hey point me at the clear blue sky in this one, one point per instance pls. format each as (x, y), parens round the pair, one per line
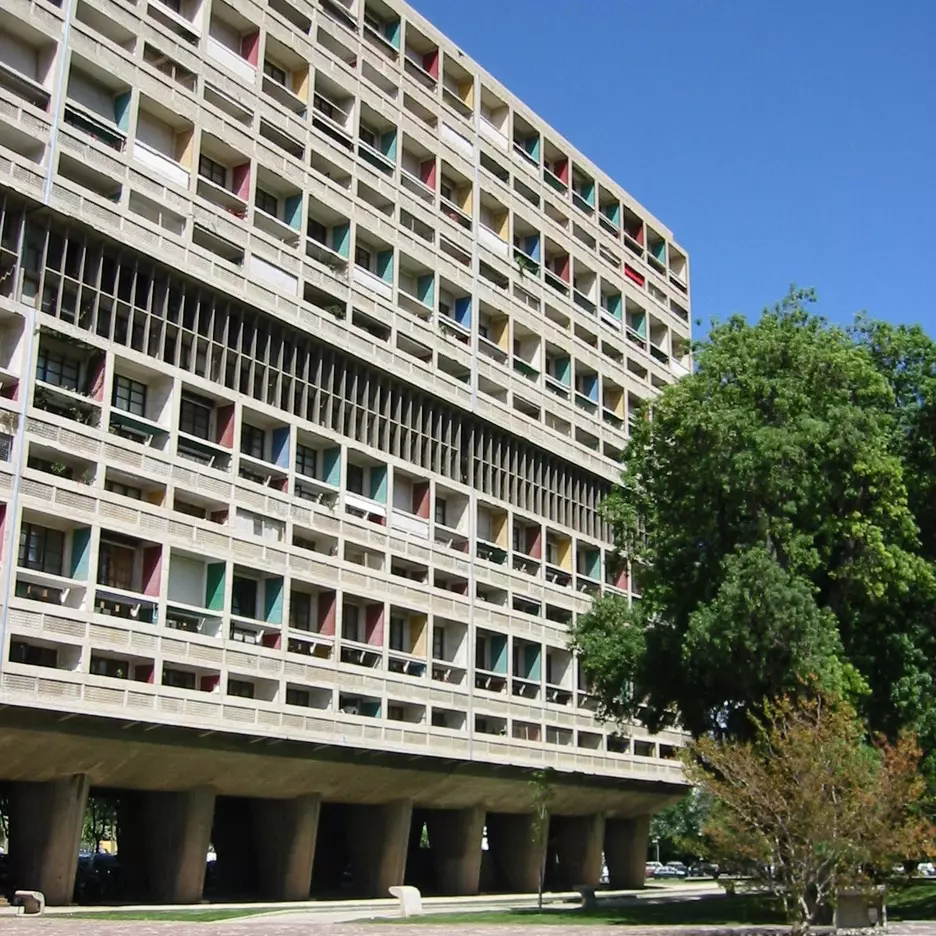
(781, 140)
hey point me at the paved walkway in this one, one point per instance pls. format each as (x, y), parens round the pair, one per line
(308, 924)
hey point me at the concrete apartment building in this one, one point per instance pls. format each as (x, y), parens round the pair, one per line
(317, 352)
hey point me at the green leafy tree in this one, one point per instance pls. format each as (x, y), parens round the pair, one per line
(764, 509)
(679, 829)
(541, 792)
(808, 804)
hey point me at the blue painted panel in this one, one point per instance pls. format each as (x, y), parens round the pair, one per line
(392, 32)
(378, 483)
(273, 600)
(293, 211)
(122, 111)
(463, 311)
(388, 144)
(425, 289)
(532, 663)
(331, 466)
(341, 239)
(281, 446)
(81, 553)
(498, 653)
(385, 265)
(531, 246)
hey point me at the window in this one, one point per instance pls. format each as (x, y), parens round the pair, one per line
(275, 72)
(41, 549)
(195, 417)
(129, 395)
(397, 634)
(181, 679)
(441, 510)
(105, 666)
(244, 597)
(355, 479)
(300, 611)
(351, 623)
(252, 439)
(6, 446)
(317, 231)
(368, 136)
(298, 697)
(362, 257)
(267, 202)
(31, 655)
(438, 643)
(552, 553)
(305, 461)
(447, 189)
(212, 171)
(324, 106)
(125, 490)
(115, 566)
(55, 368)
(240, 688)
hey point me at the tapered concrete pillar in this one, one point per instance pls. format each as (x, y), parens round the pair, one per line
(579, 842)
(517, 853)
(378, 838)
(455, 837)
(285, 832)
(45, 833)
(626, 851)
(165, 837)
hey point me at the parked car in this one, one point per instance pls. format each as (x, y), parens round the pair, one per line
(704, 869)
(680, 869)
(652, 867)
(667, 872)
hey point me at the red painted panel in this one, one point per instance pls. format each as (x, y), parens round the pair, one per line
(535, 543)
(152, 569)
(327, 613)
(250, 47)
(421, 500)
(240, 181)
(632, 274)
(225, 416)
(427, 172)
(210, 683)
(375, 625)
(272, 641)
(431, 62)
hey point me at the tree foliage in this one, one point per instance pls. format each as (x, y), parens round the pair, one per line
(775, 508)
(808, 804)
(679, 830)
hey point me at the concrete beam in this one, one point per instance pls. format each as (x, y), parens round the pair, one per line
(378, 839)
(285, 833)
(46, 820)
(455, 837)
(579, 842)
(517, 853)
(625, 846)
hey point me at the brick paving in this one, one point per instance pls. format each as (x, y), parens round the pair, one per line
(304, 925)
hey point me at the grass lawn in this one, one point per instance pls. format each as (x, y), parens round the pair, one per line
(916, 901)
(200, 915)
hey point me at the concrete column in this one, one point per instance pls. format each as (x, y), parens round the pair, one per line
(165, 837)
(455, 837)
(285, 832)
(626, 851)
(46, 820)
(517, 856)
(378, 838)
(579, 842)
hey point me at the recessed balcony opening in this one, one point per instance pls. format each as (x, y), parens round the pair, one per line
(328, 236)
(377, 140)
(343, 12)
(373, 264)
(453, 368)
(495, 119)
(494, 226)
(414, 349)
(184, 18)
(107, 26)
(656, 250)
(527, 353)
(277, 207)
(527, 247)
(333, 111)
(53, 560)
(678, 269)
(457, 584)
(491, 661)
(457, 87)
(330, 171)
(556, 167)
(381, 200)
(380, 81)
(584, 287)
(311, 620)
(450, 518)
(366, 488)
(223, 176)
(309, 697)
(132, 487)
(526, 142)
(558, 555)
(588, 439)
(492, 389)
(612, 404)
(583, 190)
(421, 57)
(416, 292)
(490, 725)
(197, 505)
(233, 41)
(493, 333)
(358, 706)
(411, 505)
(285, 76)
(635, 320)
(407, 642)
(335, 46)
(558, 371)
(609, 211)
(455, 191)
(34, 651)
(382, 28)
(524, 731)
(81, 174)
(418, 170)
(454, 310)
(558, 267)
(27, 62)
(375, 328)
(659, 340)
(449, 651)
(612, 303)
(495, 168)
(69, 378)
(406, 712)
(634, 232)
(449, 719)
(362, 632)
(292, 15)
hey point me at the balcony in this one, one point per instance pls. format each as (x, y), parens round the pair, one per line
(230, 61)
